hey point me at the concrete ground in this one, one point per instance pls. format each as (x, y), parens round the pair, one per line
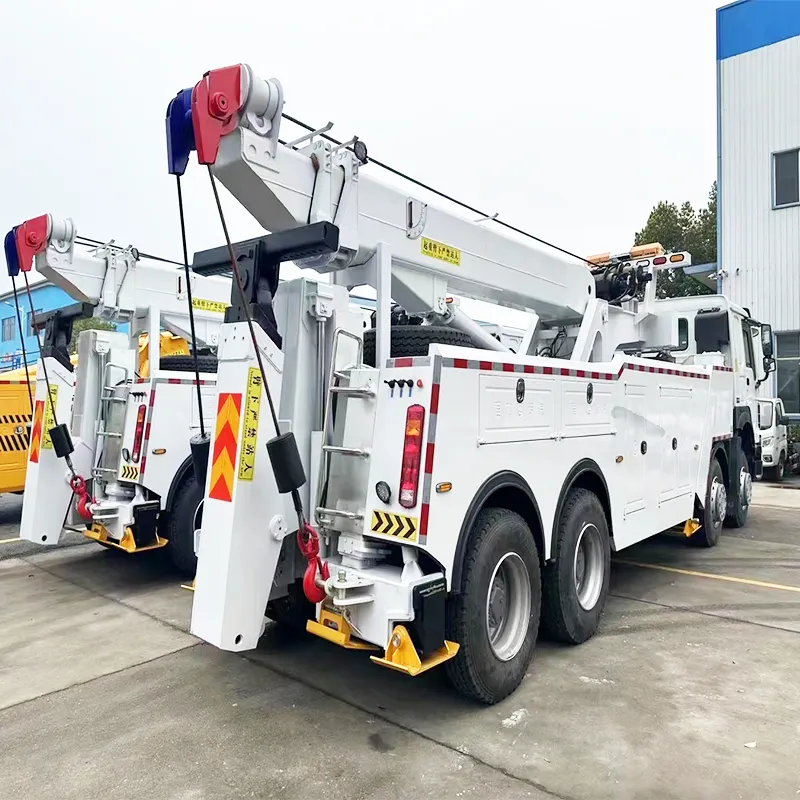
(688, 690)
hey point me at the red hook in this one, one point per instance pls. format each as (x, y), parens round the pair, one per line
(308, 542)
(78, 486)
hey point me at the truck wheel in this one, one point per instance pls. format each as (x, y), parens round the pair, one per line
(184, 516)
(293, 610)
(713, 514)
(205, 363)
(414, 340)
(739, 495)
(495, 617)
(777, 472)
(575, 584)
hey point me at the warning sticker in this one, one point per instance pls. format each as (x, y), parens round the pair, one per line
(36, 433)
(209, 305)
(444, 252)
(49, 418)
(229, 406)
(252, 405)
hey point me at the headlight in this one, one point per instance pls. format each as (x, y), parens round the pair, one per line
(766, 441)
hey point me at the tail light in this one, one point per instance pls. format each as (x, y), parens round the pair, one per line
(660, 261)
(412, 456)
(137, 437)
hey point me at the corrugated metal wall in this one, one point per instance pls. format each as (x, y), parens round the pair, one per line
(759, 95)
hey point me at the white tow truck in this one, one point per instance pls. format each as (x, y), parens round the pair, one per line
(462, 493)
(129, 483)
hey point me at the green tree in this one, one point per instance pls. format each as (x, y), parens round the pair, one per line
(683, 228)
(88, 324)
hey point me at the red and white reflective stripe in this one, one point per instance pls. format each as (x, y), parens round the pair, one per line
(430, 449)
(723, 369)
(147, 432)
(424, 361)
(567, 372)
(725, 438)
(189, 381)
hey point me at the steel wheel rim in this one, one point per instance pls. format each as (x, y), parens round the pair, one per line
(508, 606)
(588, 567)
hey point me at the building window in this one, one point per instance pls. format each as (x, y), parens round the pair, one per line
(786, 178)
(787, 357)
(8, 329)
(30, 331)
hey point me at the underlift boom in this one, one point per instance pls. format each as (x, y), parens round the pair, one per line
(109, 447)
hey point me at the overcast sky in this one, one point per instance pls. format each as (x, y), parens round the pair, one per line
(570, 119)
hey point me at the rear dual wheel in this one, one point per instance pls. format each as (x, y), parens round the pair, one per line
(494, 617)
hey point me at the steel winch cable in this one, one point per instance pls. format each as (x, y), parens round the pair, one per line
(22, 340)
(443, 195)
(191, 307)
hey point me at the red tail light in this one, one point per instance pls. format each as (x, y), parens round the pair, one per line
(137, 437)
(412, 456)
(659, 261)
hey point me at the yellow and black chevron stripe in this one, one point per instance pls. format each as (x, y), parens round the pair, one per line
(395, 525)
(14, 442)
(14, 419)
(128, 472)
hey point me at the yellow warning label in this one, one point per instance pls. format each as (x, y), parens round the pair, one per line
(252, 404)
(394, 525)
(129, 472)
(209, 305)
(444, 252)
(49, 418)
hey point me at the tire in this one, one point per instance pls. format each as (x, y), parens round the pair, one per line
(501, 554)
(713, 513)
(293, 610)
(414, 340)
(575, 584)
(777, 472)
(738, 502)
(205, 363)
(183, 515)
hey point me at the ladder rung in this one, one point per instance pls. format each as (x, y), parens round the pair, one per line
(358, 391)
(345, 451)
(334, 512)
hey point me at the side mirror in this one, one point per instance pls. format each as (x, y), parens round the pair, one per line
(784, 421)
(766, 341)
(769, 364)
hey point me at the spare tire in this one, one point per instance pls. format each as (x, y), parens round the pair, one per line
(205, 363)
(414, 340)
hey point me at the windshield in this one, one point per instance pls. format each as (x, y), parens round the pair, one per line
(764, 414)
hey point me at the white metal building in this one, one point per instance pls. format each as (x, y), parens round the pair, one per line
(758, 119)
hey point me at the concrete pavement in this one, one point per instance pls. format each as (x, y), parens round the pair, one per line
(688, 690)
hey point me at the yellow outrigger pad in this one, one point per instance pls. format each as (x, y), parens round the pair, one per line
(335, 628)
(127, 543)
(401, 655)
(691, 526)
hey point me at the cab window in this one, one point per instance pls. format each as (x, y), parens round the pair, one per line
(748, 345)
(764, 414)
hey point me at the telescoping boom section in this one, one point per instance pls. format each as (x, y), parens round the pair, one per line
(421, 491)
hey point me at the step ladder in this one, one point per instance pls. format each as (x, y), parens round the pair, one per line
(324, 514)
(107, 400)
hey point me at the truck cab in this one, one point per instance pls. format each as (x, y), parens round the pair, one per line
(773, 425)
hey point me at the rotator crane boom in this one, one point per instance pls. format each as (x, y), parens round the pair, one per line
(235, 121)
(116, 282)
